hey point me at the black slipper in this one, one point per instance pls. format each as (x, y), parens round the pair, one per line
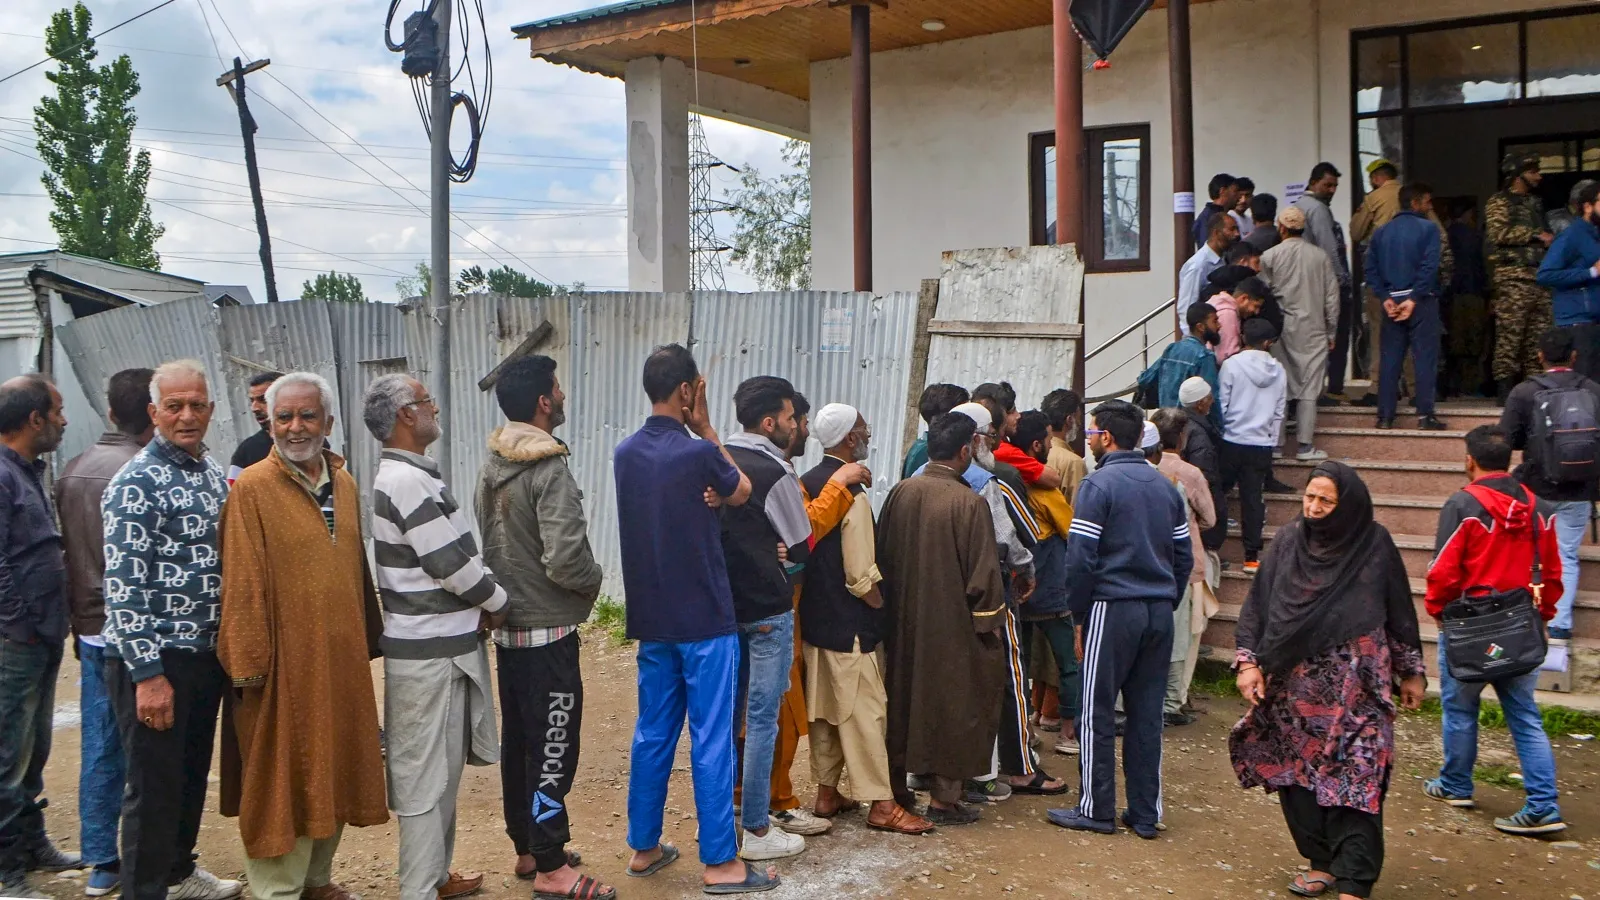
(574, 859)
(755, 881)
(1037, 786)
(959, 814)
(669, 855)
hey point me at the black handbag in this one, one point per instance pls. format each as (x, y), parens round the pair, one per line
(1490, 635)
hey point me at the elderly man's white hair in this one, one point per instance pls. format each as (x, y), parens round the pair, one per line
(177, 368)
(302, 378)
(385, 397)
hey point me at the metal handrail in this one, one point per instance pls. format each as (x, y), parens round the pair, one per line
(1145, 319)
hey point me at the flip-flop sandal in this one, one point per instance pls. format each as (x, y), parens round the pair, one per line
(669, 855)
(755, 881)
(959, 814)
(574, 859)
(585, 888)
(1301, 886)
(848, 806)
(1037, 786)
(903, 822)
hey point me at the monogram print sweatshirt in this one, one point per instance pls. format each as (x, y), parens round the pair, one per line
(163, 583)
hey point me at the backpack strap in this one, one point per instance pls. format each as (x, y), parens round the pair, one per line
(1536, 574)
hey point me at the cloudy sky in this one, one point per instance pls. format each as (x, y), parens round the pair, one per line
(548, 196)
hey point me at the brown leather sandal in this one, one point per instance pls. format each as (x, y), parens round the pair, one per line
(329, 891)
(902, 822)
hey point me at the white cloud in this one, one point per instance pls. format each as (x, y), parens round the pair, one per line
(548, 188)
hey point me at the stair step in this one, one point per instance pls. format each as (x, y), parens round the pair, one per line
(1417, 551)
(1392, 444)
(1460, 417)
(1384, 476)
(1585, 610)
(1400, 513)
(1220, 634)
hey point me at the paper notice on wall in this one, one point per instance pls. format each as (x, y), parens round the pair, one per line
(837, 329)
(1293, 192)
(1183, 202)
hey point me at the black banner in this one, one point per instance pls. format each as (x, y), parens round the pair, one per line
(1104, 23)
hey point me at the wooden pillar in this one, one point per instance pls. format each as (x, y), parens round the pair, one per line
(861, 138)
(1182, 91)
(1070, 180)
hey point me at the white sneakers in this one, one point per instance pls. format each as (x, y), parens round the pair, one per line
(799, 821)
(202, 885)
(775, 844)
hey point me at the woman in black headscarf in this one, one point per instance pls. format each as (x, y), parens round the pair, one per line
(1326, 637)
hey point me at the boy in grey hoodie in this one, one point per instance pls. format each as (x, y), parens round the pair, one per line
(1251, 389)
(535, 538)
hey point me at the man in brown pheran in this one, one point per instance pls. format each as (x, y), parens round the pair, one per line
(943, 592)
(300, 623)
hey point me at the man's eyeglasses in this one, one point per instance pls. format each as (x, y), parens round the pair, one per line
(1091, 432)
(428, 400)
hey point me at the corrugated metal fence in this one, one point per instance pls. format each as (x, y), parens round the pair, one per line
(835, 347)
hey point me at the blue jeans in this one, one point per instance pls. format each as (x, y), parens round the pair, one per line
(101, 767)
(766, 653)
(27, 708)
(1460, 702)
(697, 678)
(1571, 519)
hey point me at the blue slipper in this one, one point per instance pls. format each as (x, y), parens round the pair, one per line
(755, 881)
(1069, 818)
(669, 855)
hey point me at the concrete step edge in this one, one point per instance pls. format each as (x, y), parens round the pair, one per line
(1394, 465)
(1586, 552)
(1404, 501)
(1389, 432)
(1419, 588)
(1430, 632)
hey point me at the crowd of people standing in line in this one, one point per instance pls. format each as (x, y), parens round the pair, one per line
(919, 648)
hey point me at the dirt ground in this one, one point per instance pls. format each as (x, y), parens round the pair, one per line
(1221, 842)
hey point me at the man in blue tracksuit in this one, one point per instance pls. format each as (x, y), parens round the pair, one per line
(1403, 273)
(1128, 562)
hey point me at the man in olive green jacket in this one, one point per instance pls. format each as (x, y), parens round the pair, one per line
(530, 512)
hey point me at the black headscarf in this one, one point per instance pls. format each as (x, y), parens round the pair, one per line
(1325, 582)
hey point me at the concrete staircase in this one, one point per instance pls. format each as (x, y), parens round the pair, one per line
(1410, 475)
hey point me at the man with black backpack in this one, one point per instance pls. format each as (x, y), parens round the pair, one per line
(1554, 419)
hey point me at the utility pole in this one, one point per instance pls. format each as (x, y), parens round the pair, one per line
(439, 290)
(234, 79)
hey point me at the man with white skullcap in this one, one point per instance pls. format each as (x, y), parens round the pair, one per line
(842, 625)
(1202, 447)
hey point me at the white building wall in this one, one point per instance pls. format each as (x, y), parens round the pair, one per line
(951, 124)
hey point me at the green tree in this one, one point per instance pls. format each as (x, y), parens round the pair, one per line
(501, 280)
(772, 222)
(95, 181)
(335, 288)
(418, 284)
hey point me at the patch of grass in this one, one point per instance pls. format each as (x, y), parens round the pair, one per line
(612, 618)
(1496, 775)
(1214, 678)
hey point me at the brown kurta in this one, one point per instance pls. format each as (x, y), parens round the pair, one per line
(300, 623)
(942, 588)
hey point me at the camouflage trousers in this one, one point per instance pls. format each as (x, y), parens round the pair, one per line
(1522, 316)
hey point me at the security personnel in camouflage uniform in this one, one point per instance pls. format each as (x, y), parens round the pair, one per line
(1516, 238)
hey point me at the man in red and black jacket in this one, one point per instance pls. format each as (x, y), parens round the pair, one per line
(1488, 532)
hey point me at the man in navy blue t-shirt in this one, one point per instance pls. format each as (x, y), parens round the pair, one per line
(680, 610)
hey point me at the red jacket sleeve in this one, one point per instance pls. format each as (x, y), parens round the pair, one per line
(1447, 577)
(1550, 568)
(1012, 455)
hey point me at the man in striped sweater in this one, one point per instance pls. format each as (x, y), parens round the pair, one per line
(439, 600)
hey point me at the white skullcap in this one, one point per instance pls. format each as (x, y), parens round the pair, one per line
(1151, 438)
(832, 423)
(1193, 390)
(978, 413)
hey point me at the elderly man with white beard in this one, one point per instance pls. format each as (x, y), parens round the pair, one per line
(163, 588)
(300, 623)
(440, 600)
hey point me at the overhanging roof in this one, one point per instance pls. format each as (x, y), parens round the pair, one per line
(769, 43)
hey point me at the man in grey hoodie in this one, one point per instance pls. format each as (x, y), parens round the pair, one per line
(530, 512)
(1253, 387)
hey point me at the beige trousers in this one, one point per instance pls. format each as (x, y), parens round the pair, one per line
(857, 740)
(308, 865)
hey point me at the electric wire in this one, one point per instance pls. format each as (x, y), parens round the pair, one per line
(86, 40)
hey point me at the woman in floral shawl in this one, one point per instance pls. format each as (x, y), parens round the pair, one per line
(1325, 638)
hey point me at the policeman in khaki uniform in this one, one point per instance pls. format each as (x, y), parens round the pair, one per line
(1516, 239)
